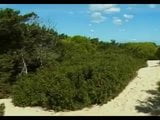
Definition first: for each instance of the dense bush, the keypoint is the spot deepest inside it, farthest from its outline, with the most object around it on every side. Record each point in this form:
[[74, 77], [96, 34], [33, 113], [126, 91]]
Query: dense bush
[[145, 50], [2, 107], [158, 53], [94, 80], [6, 70]]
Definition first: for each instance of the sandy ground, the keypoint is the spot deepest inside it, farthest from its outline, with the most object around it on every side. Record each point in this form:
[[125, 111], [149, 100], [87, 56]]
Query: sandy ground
[[124, 104]]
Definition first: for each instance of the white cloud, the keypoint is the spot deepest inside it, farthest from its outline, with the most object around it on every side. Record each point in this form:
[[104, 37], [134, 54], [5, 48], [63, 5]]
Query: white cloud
[[100, 7], [89, 25], [91, 30], [134, 39], [127, 16], [97, 11], [113, 9], [152, 5], [117, 21], [97, 17], [104, 8]]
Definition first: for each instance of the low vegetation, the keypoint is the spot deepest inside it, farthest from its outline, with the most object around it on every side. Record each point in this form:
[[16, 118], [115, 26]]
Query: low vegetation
[[40, 67], [2, 108], [145, 50], [158, 53]]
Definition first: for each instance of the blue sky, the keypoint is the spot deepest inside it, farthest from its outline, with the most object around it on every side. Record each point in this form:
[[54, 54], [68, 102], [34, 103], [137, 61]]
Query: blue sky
[[122, 22]]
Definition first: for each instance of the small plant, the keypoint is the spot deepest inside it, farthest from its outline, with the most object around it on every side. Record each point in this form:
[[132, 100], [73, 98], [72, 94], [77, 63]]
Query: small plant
[[2, 107], [158, 53]]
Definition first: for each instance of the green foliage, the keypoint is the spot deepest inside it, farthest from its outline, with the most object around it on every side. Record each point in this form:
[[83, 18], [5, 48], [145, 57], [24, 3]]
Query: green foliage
[[144, 50], [73, 85], [6, 70], [2, 107], [13, 29], [158, 53]]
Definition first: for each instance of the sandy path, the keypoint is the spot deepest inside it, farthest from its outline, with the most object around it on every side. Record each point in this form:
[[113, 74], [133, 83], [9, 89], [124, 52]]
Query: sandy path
[[124, 104]]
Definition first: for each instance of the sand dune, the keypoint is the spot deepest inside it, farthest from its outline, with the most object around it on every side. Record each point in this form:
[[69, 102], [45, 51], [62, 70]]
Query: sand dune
[[124, 104]]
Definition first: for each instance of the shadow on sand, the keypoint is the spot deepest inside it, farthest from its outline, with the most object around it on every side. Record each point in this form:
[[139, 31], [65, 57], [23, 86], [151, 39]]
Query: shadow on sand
[[155, 65], [151, 105]]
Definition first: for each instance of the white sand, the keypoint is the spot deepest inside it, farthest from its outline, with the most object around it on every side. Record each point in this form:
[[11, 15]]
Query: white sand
[[124, 104]]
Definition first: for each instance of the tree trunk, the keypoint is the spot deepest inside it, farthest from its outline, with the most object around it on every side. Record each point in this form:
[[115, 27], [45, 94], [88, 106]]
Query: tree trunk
[[24, 69]]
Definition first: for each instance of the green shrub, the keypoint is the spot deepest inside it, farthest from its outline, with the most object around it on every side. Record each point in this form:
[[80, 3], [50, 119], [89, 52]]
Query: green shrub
[[6, 70], [71, 87], [158, 53], [145, 50], [2, 107]]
